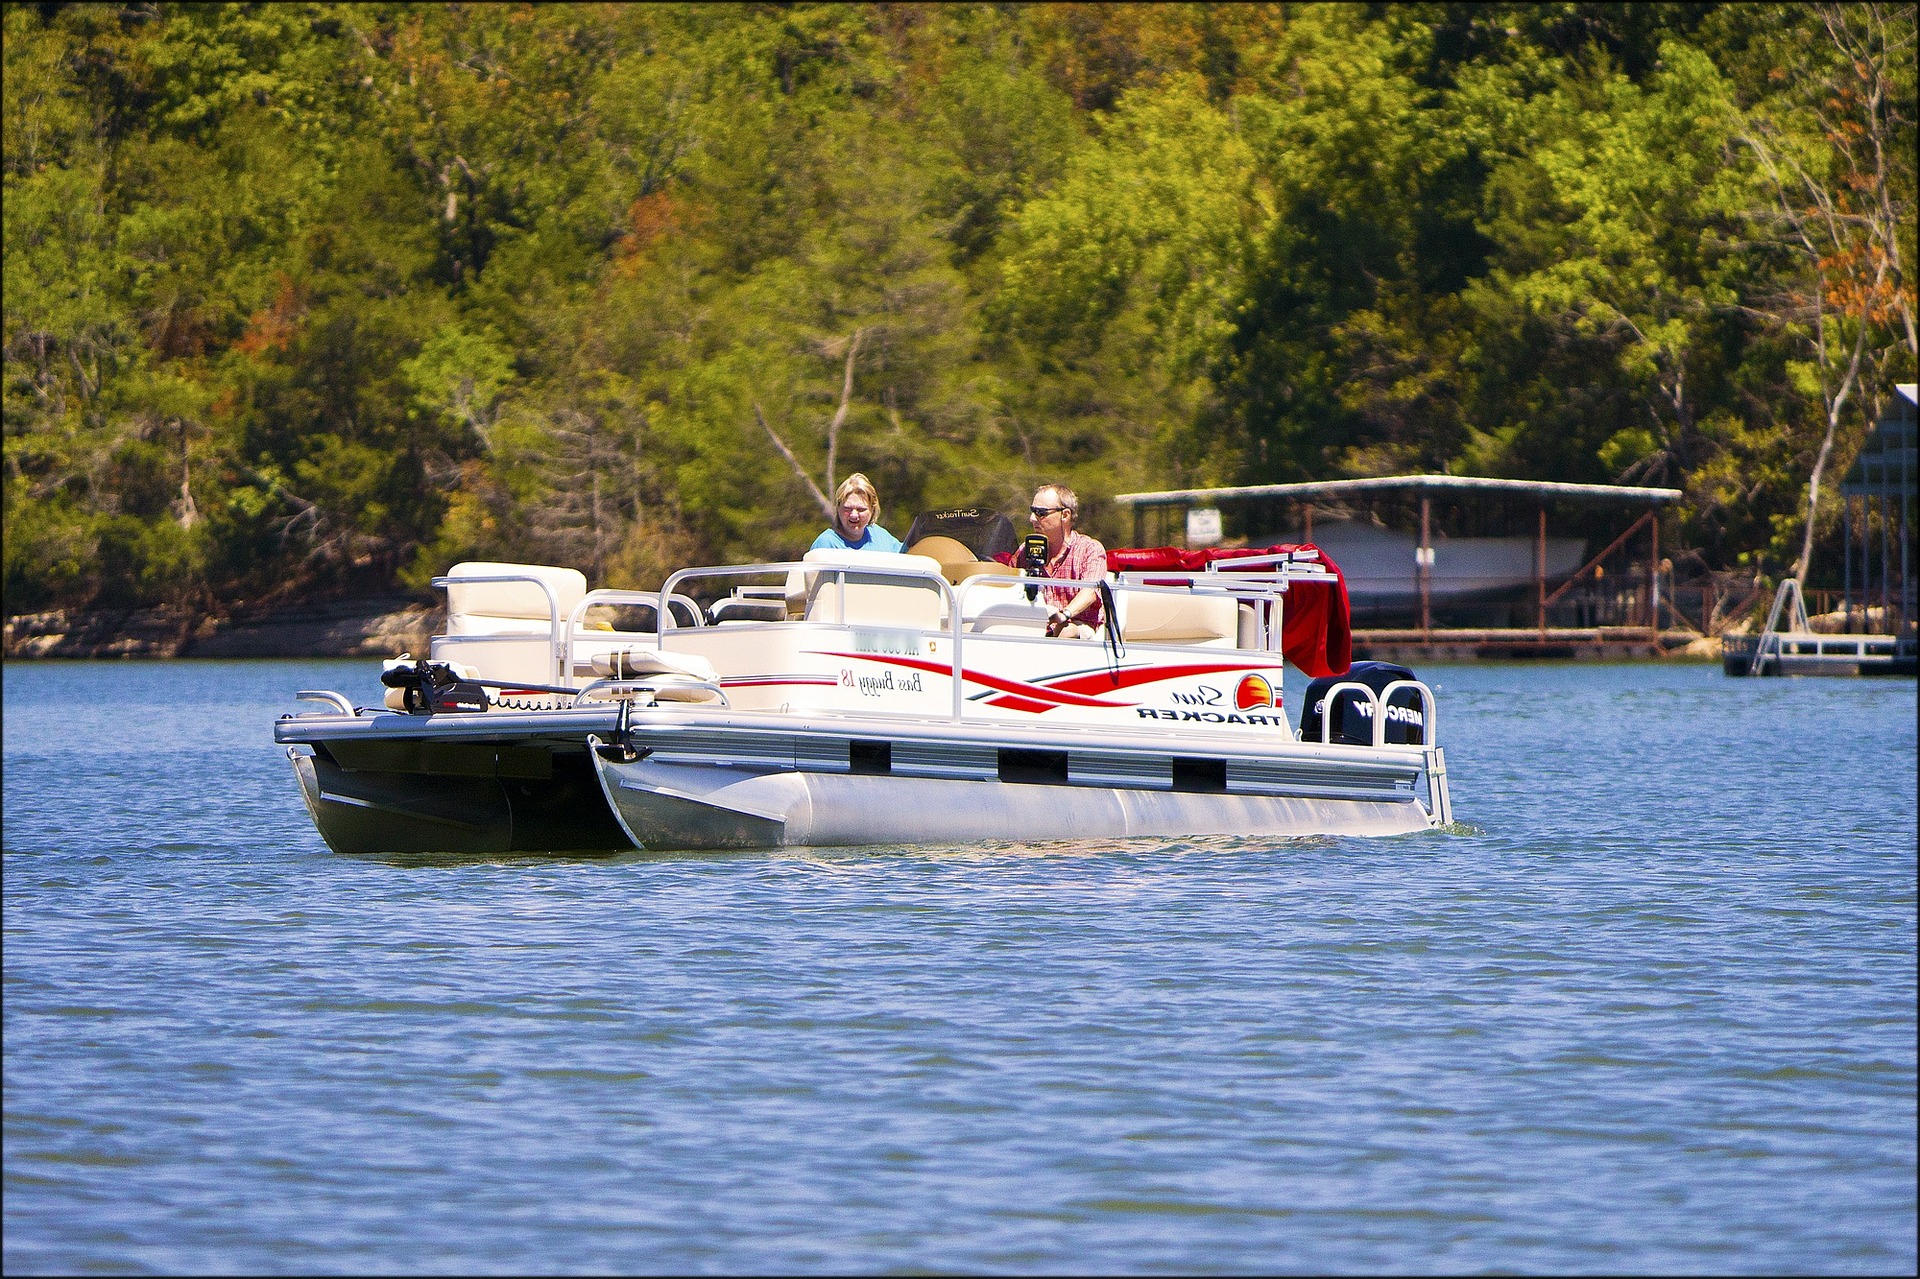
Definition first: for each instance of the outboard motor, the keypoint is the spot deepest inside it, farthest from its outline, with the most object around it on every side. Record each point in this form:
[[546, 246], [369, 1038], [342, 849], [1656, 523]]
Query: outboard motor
[[1352, 715]]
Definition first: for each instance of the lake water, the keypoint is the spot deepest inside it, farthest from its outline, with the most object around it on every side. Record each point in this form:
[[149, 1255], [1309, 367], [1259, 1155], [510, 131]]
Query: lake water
[[1649, 1007]]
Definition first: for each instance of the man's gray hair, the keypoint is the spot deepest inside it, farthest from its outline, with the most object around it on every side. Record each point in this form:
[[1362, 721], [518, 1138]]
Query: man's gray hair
[[1064, 495]]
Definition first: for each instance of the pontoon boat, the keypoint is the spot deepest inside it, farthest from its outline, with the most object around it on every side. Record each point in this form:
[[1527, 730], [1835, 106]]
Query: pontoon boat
[[869, 698]]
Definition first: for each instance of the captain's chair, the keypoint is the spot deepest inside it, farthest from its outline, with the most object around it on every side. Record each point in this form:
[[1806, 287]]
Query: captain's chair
[[508, 621]]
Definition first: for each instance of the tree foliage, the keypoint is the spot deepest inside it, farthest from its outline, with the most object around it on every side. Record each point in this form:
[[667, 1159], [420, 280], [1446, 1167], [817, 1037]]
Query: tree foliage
[[322, 297]]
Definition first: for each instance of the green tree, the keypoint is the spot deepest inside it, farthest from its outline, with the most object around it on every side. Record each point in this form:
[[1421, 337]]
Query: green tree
[[1119, 287], [1615, 219], [1835, 148]]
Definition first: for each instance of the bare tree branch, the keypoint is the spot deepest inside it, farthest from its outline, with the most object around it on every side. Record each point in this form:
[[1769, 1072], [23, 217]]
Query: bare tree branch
[[825, 504], [840, 414]]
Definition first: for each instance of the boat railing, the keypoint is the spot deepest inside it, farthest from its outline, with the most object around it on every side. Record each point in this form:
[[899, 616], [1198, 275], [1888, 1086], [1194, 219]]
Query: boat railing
[[1380, 701], [1282, 569], [564, 631], [815, 571], [338, 701], [1264, 587], [556, 620], [1299, 565], [1249, 585], [614, 597], [819, 574], [584, 644]]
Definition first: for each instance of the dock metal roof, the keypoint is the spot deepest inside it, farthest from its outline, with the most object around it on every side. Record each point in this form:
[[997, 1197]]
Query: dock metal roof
[[1889, 461], [1411, 483]]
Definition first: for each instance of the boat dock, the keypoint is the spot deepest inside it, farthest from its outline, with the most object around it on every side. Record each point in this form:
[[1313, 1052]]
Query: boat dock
[[1788, 645], [1499, 589], [1809, 653], [1874, 632], [1409, 647]]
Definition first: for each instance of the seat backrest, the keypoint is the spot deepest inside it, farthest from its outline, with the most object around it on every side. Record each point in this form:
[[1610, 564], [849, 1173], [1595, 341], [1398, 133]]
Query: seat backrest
[[946, 550], [1000, 606], [1156, 617], [498, 656], [870, 599], [505, 608]]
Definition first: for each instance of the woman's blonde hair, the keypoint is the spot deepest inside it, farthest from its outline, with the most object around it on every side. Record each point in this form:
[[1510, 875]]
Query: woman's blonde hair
[[857, 483]]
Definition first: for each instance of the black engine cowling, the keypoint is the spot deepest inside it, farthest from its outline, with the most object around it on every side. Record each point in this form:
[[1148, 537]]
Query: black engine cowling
[[1352, 715]]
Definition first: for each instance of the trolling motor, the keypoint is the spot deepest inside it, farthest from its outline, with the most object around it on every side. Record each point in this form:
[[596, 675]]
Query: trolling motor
[[427, 688], [1033, 560]]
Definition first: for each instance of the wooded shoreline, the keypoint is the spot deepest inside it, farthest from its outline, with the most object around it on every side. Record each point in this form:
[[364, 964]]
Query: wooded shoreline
[[381, 626], [305, 301]]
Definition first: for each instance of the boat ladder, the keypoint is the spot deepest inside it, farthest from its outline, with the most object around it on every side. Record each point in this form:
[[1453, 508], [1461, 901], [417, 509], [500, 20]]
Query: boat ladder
[[1769, 645]]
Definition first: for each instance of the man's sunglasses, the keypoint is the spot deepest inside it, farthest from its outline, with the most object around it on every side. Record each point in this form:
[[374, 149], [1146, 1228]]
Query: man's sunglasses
[[1041, 512]]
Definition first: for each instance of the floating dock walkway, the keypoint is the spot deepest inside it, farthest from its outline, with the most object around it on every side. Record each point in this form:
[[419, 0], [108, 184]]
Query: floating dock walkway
[[1790, 646]]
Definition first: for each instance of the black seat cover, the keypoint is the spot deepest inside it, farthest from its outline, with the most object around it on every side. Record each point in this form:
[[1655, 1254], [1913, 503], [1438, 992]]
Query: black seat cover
[[988, 534]]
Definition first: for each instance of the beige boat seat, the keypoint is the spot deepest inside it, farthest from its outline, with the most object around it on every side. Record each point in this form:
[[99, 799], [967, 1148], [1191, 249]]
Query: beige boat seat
[[855, 598], [1178, 617], [505, 629], [674, 676], [503, 607]]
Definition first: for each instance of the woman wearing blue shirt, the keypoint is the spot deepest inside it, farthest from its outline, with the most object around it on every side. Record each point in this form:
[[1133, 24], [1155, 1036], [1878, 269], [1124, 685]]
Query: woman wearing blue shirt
[[856, 506]]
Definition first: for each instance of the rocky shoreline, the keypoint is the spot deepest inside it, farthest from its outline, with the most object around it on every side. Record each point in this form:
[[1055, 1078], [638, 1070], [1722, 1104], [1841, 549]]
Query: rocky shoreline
[[380, 627]]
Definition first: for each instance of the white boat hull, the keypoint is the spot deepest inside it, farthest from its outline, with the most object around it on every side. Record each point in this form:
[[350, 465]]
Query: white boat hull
[[669, 807], [688, 779]]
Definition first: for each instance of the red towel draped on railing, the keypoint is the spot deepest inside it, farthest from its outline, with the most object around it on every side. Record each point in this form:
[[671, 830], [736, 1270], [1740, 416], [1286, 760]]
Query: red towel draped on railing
[[1317, 627]]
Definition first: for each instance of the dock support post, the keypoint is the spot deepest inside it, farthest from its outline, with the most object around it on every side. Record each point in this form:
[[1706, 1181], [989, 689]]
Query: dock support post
[[1906, 568], [1846, 562], [1886, 567], [1653, 578], [1426, 571], [1540, 574]]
